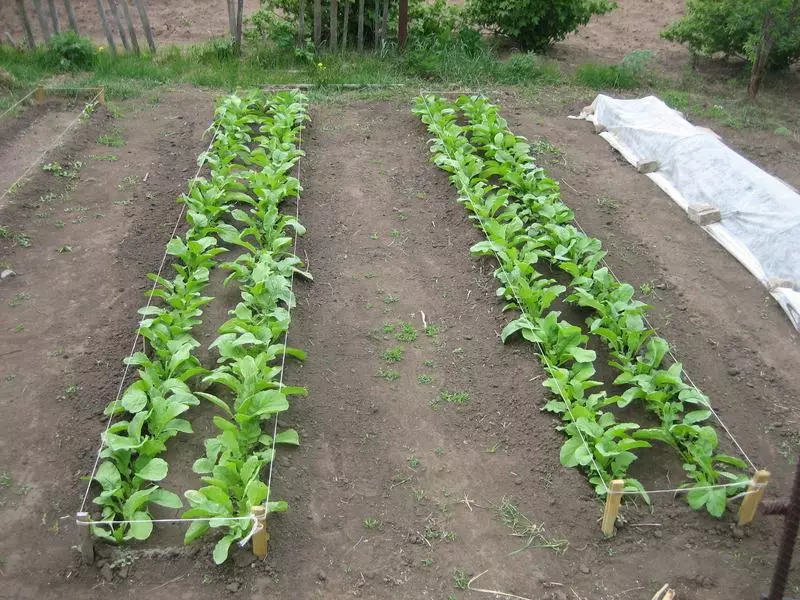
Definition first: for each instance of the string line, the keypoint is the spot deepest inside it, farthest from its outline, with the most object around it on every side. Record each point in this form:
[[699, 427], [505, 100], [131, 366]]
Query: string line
[[138, 334], [18, 102]]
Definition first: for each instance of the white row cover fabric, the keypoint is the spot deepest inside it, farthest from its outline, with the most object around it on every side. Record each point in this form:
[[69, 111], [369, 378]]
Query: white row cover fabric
[[760, 214]]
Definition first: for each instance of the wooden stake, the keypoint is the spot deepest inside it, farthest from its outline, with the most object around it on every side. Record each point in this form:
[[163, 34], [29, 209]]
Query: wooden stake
[[301, 33], [101, 97], [54, 16], [360, 25], [118, 22], [612, 506], [26, 24], [37, 4], [346, 24], [260, 537], [317, 22], [39, 95], [747, 511], [73, 22], [85, 542], [112, 47], [334, 37], [131, 29], [148, 33]]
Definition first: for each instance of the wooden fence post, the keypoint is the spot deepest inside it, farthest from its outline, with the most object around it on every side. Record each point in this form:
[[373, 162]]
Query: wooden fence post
[[39, 95], [301, 33], [260, 537], [54, 16], [346, 24], [360, 25], [37, 4], [101, 97], [755, 491], [73, 22], [613, 499], [334, 37], [148, 33], [85, 538], [112, 47], [118, 22], [26, 24], [131, 29], [317, 22]]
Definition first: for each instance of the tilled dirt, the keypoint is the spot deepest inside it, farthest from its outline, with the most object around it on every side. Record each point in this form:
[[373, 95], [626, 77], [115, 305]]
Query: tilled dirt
[[394, 492]]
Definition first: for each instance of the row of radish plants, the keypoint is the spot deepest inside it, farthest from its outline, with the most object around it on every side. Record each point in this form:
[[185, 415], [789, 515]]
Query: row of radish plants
[[525, 222], [234, 211]]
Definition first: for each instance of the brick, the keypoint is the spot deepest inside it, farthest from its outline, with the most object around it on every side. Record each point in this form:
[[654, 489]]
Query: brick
[[703, 214]]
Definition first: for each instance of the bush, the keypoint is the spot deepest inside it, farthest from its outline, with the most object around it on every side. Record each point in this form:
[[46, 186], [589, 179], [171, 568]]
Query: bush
[[629, 74], [535, 24], [71, 52], [734, 28]]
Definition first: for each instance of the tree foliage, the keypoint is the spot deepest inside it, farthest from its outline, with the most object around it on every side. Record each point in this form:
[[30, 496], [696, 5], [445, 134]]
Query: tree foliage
[[535, 24]]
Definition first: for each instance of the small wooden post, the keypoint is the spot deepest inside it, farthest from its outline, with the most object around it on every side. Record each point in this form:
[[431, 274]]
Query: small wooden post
[[260, 537], [37, 4], [73, 22], [54, 16], [360, 25], [39, 95], [613, 499], [118, 22], [334, 37], [148, 33], [317, 22], [755, 491], [131, 29], [85, 538], [26, 24], [101, 97], [109, 38], [301, 33], [346, 24]]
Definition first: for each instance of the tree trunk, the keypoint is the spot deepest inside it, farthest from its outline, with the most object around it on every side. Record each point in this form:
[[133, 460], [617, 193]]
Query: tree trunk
[[232, 18], [360, 25], [239, 17], [148, 33], [26, 24], [377, 27], [54, 16], [346, 24], [118, 22], [73, 22], [385, 21], [402, 24], [302, 25], [317, 22], [762, 56], [131, 29], [334, 38], [37, 4], [109, 38]]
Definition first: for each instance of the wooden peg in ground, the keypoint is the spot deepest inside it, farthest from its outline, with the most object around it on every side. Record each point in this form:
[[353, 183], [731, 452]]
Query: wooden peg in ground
[[665, 593]]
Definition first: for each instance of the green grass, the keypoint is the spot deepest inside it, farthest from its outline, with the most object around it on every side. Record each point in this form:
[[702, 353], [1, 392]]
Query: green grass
[[393, 355], [388, 374], [112, 138], [407, 333]]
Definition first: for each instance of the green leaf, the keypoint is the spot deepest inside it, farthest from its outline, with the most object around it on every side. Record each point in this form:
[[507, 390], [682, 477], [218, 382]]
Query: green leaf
[[222, 548], [196, 530], [134, 399], [218, 402], [154, 470], [289, 437], [166, 499], [696, 416], [582, 355], [141, 531]]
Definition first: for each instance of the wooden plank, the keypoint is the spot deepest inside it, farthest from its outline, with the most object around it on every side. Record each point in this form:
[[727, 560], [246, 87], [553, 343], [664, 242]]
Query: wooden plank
[[118, 23], [51, 4], [334, 37], [317, 22], [73, 22], [747, 511], [360, 25], [26, 24], [129, 22], [613, 498], [148, 33], [109, 38], [345, 24], [37, 4]]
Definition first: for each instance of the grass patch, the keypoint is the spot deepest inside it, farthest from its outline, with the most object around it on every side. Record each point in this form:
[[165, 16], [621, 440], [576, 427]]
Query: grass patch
[[521, 526], [388, 374], [113, 138], [406, 333], [631, 73], [393, 355]]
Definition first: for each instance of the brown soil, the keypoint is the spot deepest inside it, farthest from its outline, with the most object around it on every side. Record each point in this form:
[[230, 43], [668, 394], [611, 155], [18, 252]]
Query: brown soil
[[386, 241]]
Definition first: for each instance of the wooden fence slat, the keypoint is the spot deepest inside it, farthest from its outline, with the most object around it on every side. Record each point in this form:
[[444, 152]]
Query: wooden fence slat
[[54, 16], [37, 4], [334, 37], [148, 33], [26, 24], [118, 22], [73, 22], [112, 47], [129, 22], [317, 22], [360, 25]]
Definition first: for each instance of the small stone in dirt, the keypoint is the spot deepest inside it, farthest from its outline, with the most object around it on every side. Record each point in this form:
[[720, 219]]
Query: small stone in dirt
[[737, 532], [7, 274], [321, 575], [584, 569], [733, 371], [233, 587], [657, 534]]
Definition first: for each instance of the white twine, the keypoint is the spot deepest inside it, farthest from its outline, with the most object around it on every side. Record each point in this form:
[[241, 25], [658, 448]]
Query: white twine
[[18, 102]]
